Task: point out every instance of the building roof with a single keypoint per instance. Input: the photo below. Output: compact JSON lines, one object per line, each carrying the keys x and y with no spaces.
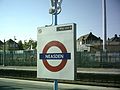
{"x":115,"y":39}
{"x":1,"y":42}
{"x":10,"y":41}
{"x":87,"y":36}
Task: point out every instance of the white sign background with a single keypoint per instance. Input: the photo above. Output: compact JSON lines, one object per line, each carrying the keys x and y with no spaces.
{"x":68,"y":39}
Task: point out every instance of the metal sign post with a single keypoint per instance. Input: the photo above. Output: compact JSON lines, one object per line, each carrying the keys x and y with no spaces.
{"x":56,"y":81}
{"x":56,"y":84}
{"x":56,"y":12}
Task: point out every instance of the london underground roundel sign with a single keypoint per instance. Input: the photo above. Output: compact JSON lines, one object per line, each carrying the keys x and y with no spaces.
{"x":56,"y":52}
{"x":64,"y":56}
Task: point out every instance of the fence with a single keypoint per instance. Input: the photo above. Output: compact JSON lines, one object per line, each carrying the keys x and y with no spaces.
{"x":83,"y":59}
{"x":18,"y":58}
{"x":98,"y":59}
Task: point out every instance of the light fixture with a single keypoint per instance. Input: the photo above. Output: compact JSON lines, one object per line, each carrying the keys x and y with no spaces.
{"x":58,"y":9}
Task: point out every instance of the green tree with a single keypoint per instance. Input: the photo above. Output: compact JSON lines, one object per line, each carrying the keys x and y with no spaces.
{"x":25,"y":45}
{"x":20,"y":45}
{"x":31,"y":44}
{"x":34,"y":44}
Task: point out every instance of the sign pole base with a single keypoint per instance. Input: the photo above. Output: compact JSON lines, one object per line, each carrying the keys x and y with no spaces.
{"x":55,"y":84}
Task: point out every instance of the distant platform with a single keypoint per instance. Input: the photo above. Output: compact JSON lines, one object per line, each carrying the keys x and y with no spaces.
{"x":79,"y":70}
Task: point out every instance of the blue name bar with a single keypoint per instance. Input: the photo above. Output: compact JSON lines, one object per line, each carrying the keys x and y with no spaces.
{"x":55,"y":56}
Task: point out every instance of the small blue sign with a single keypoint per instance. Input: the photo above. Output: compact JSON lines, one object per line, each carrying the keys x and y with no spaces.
{"x":55,"y":56}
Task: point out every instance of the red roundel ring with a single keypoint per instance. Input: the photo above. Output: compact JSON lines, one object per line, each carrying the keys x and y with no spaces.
{"x":63,"y":62}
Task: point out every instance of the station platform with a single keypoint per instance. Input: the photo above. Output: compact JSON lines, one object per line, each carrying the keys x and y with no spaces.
{"x":79,"y":70}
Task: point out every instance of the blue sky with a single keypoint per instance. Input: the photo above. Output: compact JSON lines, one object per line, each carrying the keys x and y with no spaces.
{"x":21,"y":18}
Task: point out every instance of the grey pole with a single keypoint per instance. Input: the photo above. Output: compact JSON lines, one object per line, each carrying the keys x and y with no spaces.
{"x":56,"y":12}
{"x":4,"y":53}
{"x":104,"y":24}
{"x":56,"y":81}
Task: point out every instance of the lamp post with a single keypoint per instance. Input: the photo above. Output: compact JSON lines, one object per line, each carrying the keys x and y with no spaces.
{"x":104,"y":24}
{"x":14,"y":46}
{"x":4,"y":53}
{"x":104,"y":55}
{"x":55,"y":10}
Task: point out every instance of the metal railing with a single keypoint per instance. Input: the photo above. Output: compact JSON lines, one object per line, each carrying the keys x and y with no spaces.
{"x":83,"y":59}
{"x":18,"y":58}
{"x":98,"y":59}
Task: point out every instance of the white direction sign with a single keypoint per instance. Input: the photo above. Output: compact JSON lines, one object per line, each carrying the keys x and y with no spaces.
{"x":56,"y":49}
